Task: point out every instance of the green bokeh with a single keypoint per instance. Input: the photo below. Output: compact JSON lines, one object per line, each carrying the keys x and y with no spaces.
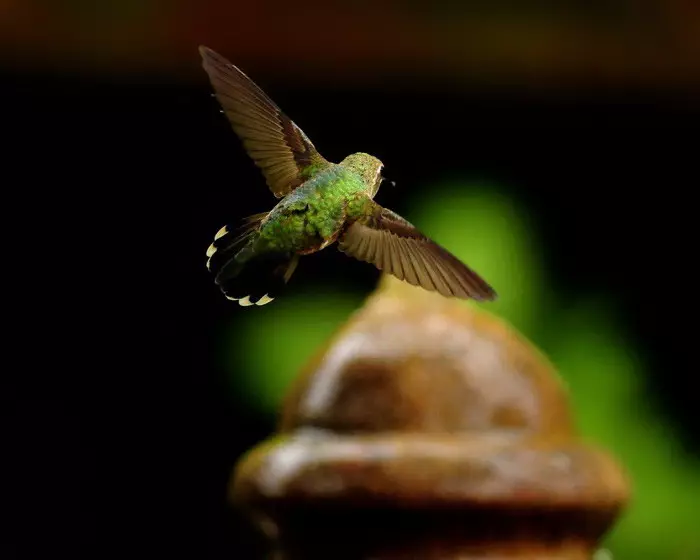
{"x":272,"y":343}
{"x":605,"y":378}
{"x":485,"y":230}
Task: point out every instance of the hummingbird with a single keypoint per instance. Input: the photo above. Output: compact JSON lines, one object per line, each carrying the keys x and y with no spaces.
{"x":322,"y":204}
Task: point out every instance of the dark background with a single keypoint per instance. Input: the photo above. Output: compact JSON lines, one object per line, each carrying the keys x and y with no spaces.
{"x":125,"y":430}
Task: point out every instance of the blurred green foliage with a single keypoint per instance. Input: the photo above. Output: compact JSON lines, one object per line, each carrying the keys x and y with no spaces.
{"x":273,"y":344}
{"x":583,"y":338}
{"x":484,"y":229}
{"x":606,"y":383}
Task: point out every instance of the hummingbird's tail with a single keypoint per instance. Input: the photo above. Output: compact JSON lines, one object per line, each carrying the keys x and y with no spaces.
{"x":242,"y":275}
{"x":257,"y":280}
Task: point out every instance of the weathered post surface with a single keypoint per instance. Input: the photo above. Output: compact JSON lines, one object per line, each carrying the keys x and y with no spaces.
{"x":429,"y":429}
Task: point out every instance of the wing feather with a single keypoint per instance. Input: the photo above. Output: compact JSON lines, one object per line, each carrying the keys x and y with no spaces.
{"x":395,"y":246}
{"x":277,"y":146}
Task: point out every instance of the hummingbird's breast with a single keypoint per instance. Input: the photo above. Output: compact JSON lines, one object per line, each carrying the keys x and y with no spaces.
{"x":311,"y":217}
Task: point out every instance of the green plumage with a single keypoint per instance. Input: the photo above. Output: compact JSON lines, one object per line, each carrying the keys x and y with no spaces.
{"x":322,"y":203}
{"x":311,"y":215}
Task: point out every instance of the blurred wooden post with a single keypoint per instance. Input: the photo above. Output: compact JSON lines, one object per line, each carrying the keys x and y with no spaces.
{"x":428,"y":429}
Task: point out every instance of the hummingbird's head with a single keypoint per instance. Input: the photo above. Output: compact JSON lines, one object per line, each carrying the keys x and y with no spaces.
{"x":368,"y":167}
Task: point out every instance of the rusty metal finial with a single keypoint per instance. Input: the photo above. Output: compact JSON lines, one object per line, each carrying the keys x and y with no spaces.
{"x":429,"y":429}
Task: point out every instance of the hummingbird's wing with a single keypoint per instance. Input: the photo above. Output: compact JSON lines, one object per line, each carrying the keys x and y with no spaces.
{"x":279,"y":147}
{"x":395,"y":246}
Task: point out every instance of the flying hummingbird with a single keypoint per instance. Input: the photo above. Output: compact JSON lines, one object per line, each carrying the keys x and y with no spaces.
{"x":322,"y":203}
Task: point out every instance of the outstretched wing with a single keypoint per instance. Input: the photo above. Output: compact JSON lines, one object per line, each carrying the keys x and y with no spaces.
{"x":395,"y":246}
{"x":279,"y":147}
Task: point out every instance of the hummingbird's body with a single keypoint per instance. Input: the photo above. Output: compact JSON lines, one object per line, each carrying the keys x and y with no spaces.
{"x":313,"y":215}
{"x":321,"y":203}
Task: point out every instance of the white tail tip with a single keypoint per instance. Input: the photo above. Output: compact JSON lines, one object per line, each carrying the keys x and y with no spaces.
{"x":223,"y":231}
{"x":264,"y":300}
